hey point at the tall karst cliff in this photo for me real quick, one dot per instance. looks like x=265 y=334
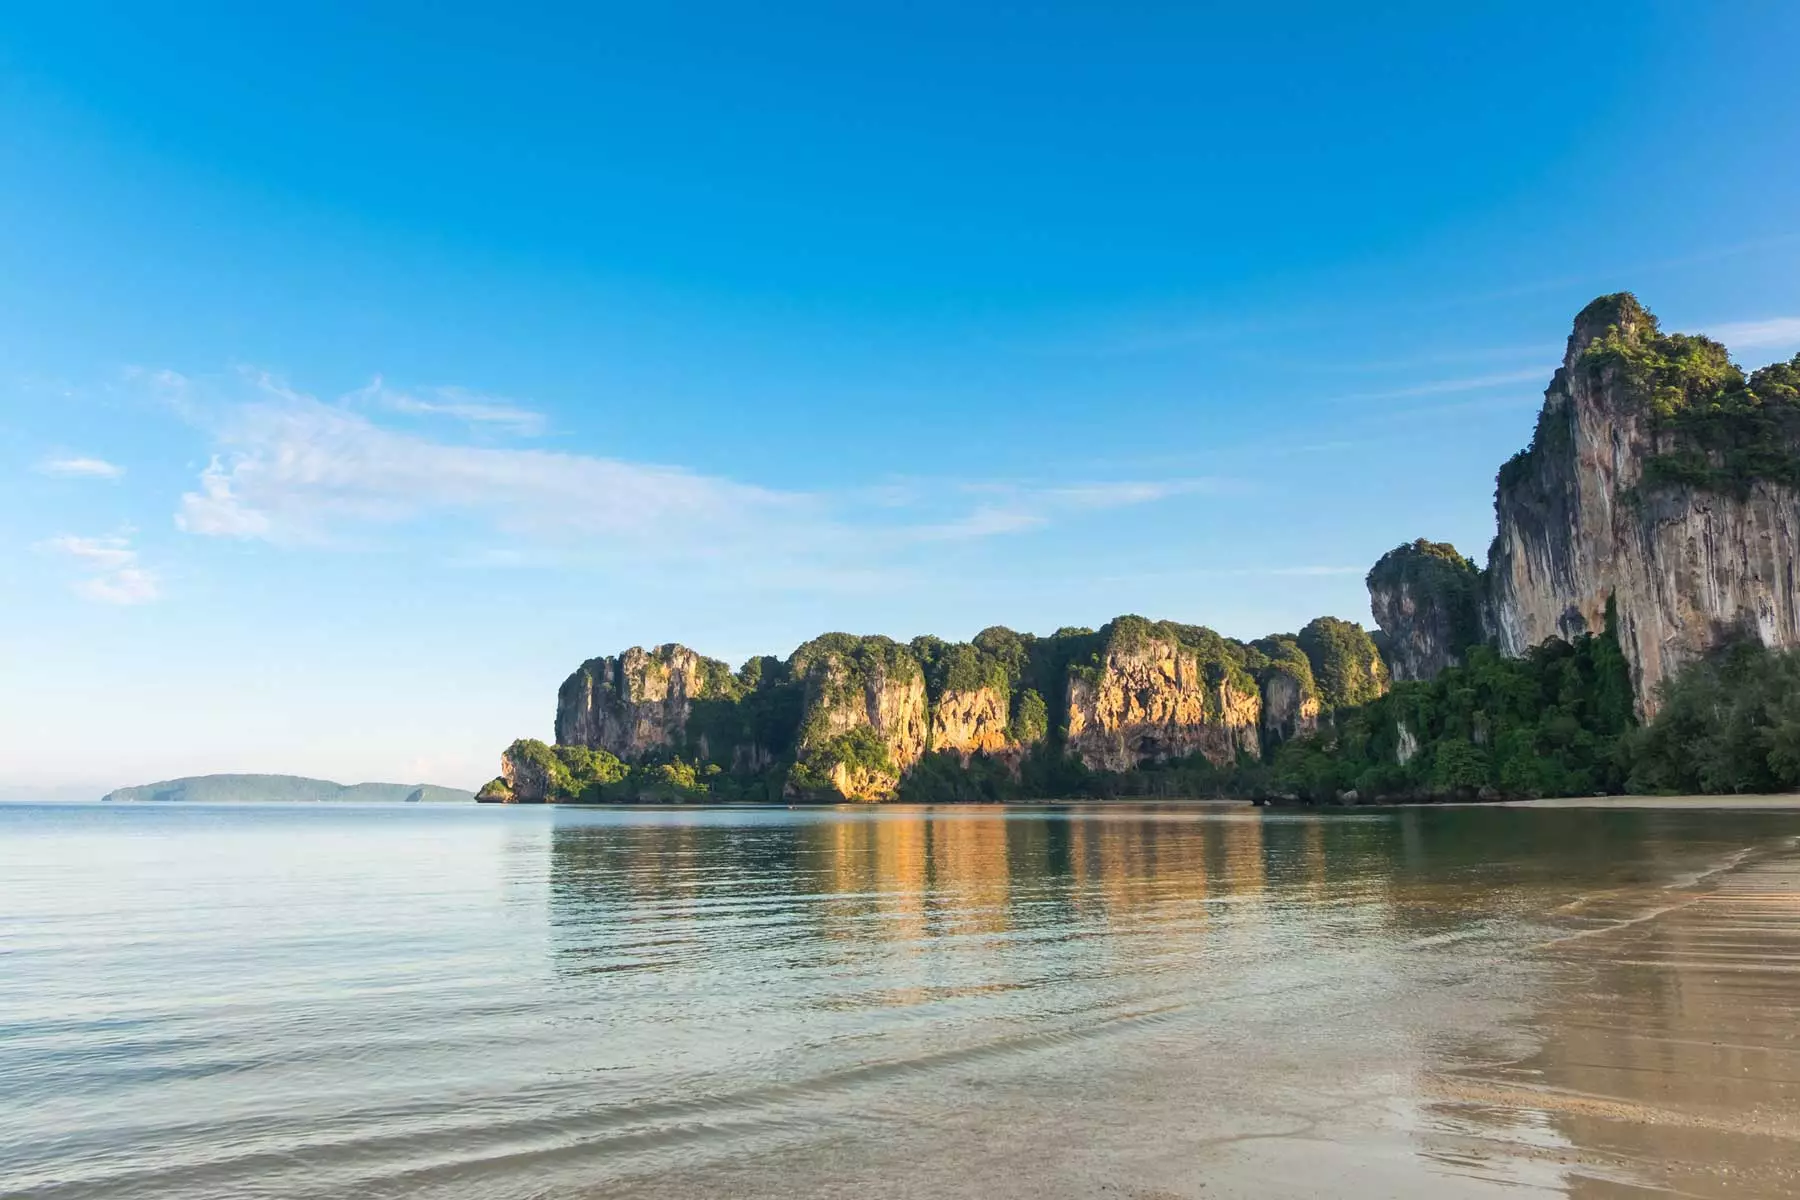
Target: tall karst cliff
x=1660 y=479
x=855 y=717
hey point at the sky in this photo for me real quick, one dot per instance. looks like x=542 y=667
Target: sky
x=365 y=368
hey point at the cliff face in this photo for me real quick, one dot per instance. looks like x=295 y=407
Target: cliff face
x=1150 y=699
x=864 y=717
x=848 y=717
x=1427 y=600
x=972 y=721
x=523 y=780
x=638 y=702
x=1688 y=565
x=1288 y=711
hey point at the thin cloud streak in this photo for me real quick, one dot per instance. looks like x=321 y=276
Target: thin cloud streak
x=113 y=573
x=291 y=469
x=1302 y=571
x=459 y=404
x=81 y=468
x=1770 y=331
x=1441 y=387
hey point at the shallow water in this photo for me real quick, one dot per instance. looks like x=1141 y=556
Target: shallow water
x=324 y=1001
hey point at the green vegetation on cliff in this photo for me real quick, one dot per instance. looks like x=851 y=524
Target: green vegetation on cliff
x=1222 y=659
x=1345 y=662
x=1720 y=431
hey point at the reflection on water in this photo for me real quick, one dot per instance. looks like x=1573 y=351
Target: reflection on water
x=1148 y=1000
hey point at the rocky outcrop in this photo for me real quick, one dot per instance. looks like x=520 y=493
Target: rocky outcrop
x=973 y=721
x=1288 y=709
x=1290 y=692
x=864 y=717
x=1426 y=598
x=1151 y=698
x=638 y=702
x=524 y=778
x=1686 y=561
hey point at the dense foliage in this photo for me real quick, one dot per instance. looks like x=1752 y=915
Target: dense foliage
x=1730 y=724
x=1345 y=662
x=1550 y=723
x=1281 y=654
x=578 y=775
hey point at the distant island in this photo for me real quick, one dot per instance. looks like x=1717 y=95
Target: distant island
x=1635 y=628
x=288 y=789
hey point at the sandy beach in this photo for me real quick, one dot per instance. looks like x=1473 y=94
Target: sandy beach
x=1788 y=801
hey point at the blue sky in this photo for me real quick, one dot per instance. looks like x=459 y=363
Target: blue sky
x=361 y=374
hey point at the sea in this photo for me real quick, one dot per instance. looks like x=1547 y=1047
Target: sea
x=1122 y=1000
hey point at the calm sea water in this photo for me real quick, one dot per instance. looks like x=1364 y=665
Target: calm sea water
x=321 y=1001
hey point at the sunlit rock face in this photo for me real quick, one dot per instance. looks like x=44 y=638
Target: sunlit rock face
x=1151 y=698
x=848 y=717
x=852 y=684
x=971 y=721
x=1687 y=567
x=522 y=781
x=636 y=702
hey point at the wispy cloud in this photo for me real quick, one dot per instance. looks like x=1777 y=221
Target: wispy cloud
x=111 y=571
x=1444 y=387
x=1770 y=331
x=1302 y=571
x=293 y=469
x=81 y=468
x=458 y=404
x=1003 y=507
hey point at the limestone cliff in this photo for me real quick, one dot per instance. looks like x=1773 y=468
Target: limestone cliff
x=1288 y=711
x=1659 y=479
x=972 y=721
x=638 y=702
x=1290 y=691
x=1004 y=715
x=864 y=718
x=1155 y=695
x=1426 y=598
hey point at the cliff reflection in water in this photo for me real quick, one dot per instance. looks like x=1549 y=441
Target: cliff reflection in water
x=1492 y=974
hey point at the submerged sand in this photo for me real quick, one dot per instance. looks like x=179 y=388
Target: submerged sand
x=1649 y=1045
x=1117 y=1000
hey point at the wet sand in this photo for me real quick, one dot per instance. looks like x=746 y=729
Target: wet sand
x=1789 y=801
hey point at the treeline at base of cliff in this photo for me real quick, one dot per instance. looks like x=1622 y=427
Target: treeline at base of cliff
x=1634 y=628
x=1557 y=722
